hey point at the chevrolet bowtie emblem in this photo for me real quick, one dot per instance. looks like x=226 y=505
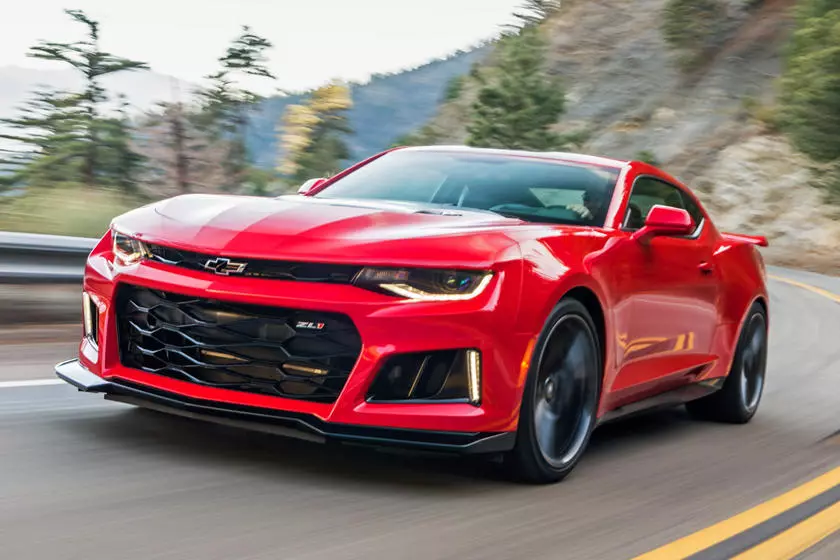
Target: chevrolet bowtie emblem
x=224 y=266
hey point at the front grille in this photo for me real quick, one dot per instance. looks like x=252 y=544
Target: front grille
x=256 y=349
x=255 y=268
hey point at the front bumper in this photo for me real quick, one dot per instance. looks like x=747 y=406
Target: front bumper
x=286 y=423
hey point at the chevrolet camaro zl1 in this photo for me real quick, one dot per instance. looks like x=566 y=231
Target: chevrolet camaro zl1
x=444 y=298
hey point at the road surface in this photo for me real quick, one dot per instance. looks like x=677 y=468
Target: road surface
x=81 y=478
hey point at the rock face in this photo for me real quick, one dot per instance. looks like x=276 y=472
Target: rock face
x=761 y=186
x=626 y=93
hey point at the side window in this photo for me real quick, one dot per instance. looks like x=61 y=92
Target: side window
x=647 y=193
x=693 y=210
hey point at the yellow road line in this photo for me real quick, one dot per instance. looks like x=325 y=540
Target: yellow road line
x=810 y=288
x=719 y=532
x=798 y=538
x=785 y=545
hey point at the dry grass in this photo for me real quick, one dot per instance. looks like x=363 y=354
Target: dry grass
x=74 y=210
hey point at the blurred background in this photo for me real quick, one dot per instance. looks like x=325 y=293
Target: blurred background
x=106 y=106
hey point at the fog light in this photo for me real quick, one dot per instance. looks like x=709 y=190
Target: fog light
x=91 y=318
x=452 y=376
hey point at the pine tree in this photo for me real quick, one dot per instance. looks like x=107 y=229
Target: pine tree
x=810 y=98
x=86 y=58
x=518 y=105
x=120 y=164
x=52 y=135
x=225 y=104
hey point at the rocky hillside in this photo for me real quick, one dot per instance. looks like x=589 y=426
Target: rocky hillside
x=709 y=126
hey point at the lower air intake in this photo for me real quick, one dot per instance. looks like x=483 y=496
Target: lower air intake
x=438 y=376
x=256 y=349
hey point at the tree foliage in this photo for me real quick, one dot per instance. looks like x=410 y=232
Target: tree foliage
x=519 y=102
x=225 y=102
x=424 y=136
x=810 y=97
x=64 y=133
x=313 y=137
x=52 y=138
x=454 y=88
x=181 y=156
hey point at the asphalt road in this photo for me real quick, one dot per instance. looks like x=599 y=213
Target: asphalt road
x=81 y=478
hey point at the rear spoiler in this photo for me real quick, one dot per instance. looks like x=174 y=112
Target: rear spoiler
x=759 y=240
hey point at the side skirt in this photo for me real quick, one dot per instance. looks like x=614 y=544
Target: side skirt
x=668 y=399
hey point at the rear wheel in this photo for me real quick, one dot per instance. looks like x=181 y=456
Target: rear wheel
x=738 y=400
x=560 y=401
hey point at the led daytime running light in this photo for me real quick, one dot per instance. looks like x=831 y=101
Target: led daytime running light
x=474 y=375
x=410 y=292
x=425 y=284
x=88 y=314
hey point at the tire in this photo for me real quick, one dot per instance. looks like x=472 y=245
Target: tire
x=737 y=401
x=560 y=400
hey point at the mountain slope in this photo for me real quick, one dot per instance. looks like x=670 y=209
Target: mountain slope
x=627 y=94
x=142 y=88
x=385 y=108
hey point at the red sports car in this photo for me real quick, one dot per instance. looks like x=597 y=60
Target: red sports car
x=444 y=298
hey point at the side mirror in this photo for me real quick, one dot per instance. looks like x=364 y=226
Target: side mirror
x=665 y=220
x=310 y=186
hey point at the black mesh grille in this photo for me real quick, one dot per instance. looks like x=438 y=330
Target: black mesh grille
x=282 y=352
x=257 y=268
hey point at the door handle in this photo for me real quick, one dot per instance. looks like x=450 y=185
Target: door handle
x=706 y=267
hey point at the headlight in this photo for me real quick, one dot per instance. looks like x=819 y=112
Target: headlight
x=425 y=284
x=128 y=250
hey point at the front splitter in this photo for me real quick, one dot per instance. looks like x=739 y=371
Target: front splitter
x=286 y=423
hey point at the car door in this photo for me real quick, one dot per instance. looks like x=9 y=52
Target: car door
x=665 y=313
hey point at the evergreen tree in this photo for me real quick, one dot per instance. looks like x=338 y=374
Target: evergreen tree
x=519 y=103
x=92 y=63
x=120 y=164
x=52 y=135
x=810 y=98
x=225 y=104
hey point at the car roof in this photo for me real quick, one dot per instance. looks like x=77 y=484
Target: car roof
x=558 y=156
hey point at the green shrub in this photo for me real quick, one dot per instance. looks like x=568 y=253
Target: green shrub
x=646 y=156
x=810 y=98
x=454 y=88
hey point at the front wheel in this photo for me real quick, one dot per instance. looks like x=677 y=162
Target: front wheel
x=560 y=402
x=738 y=399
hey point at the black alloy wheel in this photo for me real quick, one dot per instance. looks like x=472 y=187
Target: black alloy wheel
x=737 y=401
x=560 y=403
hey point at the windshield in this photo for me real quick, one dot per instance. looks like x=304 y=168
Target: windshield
x=527 y=188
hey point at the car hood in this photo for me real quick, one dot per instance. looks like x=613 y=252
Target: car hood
x=329 y=230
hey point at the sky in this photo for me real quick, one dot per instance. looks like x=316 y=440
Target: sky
x=314 y=40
